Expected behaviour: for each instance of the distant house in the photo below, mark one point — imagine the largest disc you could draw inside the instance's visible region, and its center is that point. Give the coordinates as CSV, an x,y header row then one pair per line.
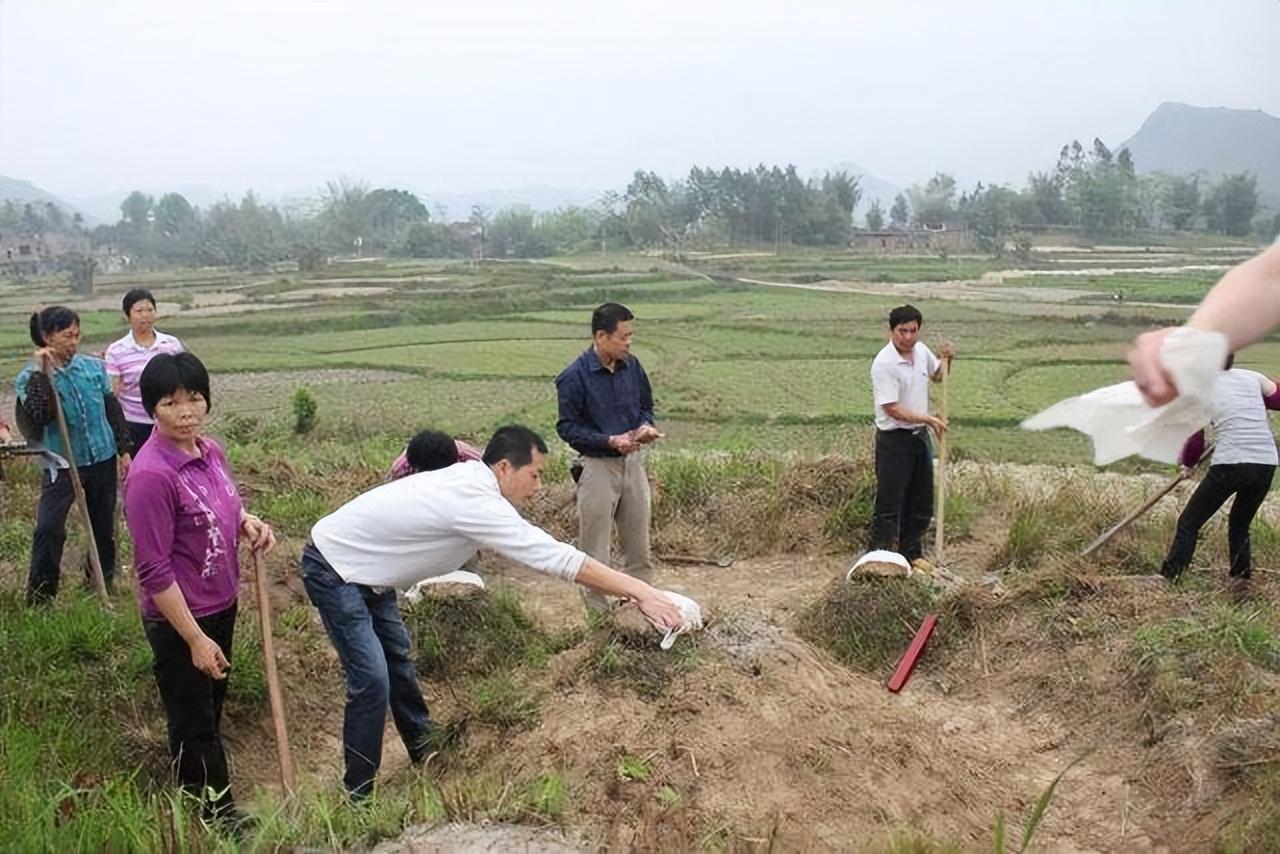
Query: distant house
x,y
35,254
110,259
931,239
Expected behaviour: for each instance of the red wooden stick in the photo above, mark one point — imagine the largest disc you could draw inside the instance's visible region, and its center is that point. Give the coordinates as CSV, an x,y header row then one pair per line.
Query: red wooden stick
x,y
907,663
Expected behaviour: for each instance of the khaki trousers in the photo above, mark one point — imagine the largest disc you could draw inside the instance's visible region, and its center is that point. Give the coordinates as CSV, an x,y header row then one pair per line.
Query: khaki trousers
x,y
614,490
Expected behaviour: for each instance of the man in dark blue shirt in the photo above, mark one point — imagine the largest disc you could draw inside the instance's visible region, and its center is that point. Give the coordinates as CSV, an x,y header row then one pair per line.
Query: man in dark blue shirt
x,y
606,415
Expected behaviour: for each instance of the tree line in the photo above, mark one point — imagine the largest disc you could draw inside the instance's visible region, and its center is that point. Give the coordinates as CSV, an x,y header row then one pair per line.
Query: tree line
x,y
1093,190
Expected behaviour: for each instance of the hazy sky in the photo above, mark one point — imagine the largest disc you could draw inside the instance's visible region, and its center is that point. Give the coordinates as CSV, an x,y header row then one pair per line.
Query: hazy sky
x,y
100,96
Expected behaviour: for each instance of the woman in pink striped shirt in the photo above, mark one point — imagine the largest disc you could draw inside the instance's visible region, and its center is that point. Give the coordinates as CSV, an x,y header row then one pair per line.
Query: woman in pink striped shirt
x,y
127,357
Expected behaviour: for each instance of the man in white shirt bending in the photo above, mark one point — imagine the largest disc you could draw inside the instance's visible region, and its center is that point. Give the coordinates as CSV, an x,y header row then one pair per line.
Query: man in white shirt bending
x,y
421,526
900,375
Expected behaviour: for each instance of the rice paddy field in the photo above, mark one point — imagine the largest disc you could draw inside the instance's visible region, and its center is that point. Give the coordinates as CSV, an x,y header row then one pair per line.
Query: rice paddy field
x,y
747,351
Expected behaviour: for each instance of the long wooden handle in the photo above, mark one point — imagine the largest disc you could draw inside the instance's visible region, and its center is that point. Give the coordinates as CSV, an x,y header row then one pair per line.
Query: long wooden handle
x,y
941,511
1110,533
77,488
273,680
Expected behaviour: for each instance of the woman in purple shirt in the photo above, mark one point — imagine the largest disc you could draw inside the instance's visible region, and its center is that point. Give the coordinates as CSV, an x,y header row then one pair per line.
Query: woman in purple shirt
x,y
186,518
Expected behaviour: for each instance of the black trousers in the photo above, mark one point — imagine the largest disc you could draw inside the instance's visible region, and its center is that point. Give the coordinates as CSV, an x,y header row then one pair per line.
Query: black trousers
x,y
193,706
50,536
1249,483
139,433
904,491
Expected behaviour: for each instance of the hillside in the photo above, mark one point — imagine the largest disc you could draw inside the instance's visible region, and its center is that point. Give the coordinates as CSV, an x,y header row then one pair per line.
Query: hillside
x,y
26,192
1181,139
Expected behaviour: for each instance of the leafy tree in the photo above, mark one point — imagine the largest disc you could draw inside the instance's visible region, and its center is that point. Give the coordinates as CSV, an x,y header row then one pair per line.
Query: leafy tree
x,y
991,213
934,204
174,215
900,213
513,234
343,214
875,216
135,207
1231,204
388,214
1179,200
434,240
1048,206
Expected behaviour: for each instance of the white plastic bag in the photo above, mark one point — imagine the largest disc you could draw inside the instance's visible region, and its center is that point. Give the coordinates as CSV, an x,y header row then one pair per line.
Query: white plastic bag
x,y
879,556
690,617
1120,423
458,576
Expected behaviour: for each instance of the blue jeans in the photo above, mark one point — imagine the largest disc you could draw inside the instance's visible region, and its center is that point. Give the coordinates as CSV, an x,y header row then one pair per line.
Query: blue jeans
x,y
373,645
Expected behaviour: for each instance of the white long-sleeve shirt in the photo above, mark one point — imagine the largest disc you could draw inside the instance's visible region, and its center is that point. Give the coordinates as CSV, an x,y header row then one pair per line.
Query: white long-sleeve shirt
x,y
430,524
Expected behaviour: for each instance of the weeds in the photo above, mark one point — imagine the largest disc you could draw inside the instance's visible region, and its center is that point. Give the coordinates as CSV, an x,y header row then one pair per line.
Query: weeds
x,y
866,623
631,658
632,768
1185,662
507,700
475,633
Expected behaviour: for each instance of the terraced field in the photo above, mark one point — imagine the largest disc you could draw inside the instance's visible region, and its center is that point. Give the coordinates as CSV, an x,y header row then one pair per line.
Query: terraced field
x,y
388,347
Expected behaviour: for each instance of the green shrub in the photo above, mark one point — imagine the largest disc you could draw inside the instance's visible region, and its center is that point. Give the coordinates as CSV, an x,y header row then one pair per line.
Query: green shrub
x,y
304,411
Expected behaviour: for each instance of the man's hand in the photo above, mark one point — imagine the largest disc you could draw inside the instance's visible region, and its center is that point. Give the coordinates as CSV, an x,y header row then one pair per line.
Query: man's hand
x,y
624,444
936,424
1148,371
947,350
258,533
207,657
659,610
646,433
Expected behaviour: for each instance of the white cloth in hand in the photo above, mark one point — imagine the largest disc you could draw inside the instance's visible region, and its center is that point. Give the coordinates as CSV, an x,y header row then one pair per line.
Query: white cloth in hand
x,y
690,617
1120,423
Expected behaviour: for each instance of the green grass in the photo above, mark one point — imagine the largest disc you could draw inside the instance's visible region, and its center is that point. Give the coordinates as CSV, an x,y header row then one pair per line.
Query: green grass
x,y
867,623
1207,657
479,632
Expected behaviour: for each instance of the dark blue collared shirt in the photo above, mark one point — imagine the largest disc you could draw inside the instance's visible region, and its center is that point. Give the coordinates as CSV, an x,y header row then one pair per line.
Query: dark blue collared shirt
x,y
596,403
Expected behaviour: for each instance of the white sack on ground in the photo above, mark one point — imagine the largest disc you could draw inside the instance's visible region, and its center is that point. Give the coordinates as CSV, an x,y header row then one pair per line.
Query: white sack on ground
x,y
690,617
879,562
1120,423
458,576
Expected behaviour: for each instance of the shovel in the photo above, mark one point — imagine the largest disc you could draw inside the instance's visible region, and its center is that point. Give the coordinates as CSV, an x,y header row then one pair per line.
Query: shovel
x,y
47,460
273,679
77,488
1109,534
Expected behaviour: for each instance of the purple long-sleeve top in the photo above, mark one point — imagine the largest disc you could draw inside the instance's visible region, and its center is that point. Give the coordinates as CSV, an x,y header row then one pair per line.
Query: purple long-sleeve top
x,y
184,517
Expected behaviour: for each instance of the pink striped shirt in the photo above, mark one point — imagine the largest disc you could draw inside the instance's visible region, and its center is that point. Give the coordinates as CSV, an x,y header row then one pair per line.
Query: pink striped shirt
x,y
126,359
466,452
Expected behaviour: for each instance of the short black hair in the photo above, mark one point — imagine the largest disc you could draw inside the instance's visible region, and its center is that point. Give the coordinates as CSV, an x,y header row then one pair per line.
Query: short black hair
x,y
905,314
54,318
515,444
429,450
136,295
607,317
166,373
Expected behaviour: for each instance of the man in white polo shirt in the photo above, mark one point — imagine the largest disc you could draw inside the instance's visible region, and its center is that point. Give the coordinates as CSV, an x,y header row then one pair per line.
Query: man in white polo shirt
x,y
414,528
900,375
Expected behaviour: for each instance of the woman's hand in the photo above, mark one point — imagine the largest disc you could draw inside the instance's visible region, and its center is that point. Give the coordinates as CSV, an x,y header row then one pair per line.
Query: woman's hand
x,y
207,657
258,533
659,610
